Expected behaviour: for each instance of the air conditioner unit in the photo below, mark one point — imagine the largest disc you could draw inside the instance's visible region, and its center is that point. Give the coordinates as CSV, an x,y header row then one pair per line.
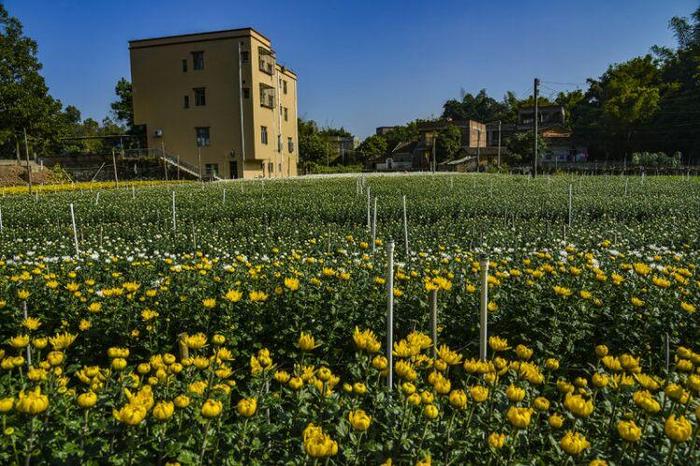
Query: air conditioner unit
x,y
159,133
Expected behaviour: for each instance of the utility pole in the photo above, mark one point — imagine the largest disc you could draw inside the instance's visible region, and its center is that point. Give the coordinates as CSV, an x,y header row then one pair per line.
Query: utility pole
x,y
478,149
499,144
534,121
29,170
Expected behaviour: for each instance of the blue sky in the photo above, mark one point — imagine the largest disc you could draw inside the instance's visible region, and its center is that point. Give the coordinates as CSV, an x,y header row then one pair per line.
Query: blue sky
x,y
361,64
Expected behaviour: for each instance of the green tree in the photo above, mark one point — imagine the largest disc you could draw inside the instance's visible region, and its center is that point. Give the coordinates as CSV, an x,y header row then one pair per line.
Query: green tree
x,y
123,107
479,107
372,146
521,147
448,142
313,146
24,99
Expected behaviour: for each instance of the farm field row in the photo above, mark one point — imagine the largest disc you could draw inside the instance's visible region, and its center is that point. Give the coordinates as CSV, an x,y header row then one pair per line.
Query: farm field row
x,y
244,323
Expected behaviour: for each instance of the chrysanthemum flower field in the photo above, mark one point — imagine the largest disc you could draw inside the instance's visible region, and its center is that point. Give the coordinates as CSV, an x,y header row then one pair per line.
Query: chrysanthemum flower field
x,y
246,323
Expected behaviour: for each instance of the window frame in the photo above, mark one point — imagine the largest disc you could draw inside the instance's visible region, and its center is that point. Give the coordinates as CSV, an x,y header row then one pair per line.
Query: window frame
x,y
206,141
203,96
197,65
264,136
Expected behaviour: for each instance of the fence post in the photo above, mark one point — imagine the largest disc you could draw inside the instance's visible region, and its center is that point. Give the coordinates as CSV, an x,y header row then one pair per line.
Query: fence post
x,y
369,208
483,317
433,320
405,225
1,226
374,225
390,312
571,195
224,198
174,224
75,230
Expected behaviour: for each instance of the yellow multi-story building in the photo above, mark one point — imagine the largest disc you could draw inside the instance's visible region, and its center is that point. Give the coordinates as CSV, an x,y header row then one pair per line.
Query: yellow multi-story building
x,y
217,103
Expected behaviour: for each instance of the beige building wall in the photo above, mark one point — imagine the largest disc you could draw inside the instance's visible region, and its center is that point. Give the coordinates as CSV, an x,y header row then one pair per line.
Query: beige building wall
x,y
161,84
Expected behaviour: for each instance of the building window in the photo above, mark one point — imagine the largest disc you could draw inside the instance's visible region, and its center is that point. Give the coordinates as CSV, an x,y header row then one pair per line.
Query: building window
x,y
279,167
263,134
284,86
200,98
202,136
270,168
197,60
266,61
184,65
290,145
267,96
246,93
279,143
186,102
211,169
286,114
244,56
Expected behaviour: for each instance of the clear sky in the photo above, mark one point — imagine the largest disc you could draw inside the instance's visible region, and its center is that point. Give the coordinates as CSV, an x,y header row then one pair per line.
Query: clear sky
x,y
361,64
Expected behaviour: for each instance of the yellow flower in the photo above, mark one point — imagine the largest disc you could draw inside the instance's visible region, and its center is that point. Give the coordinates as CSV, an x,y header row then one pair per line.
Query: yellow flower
x,y
233,296
6,404
247,407
515,394
556,421
497,441
87,400
598,462
430,411
562,291
458,399
519,417
118,364
32,403
551,364
62,341
479,393
578,405
359,388
196,341
636,302
306,342
678,429
523,352
688,307
257,296
163,410
130,414
292,284
23,294
209,303
498,344
317,444
450,357
182,401
19,341
211,408
94,307
574,443
541,403
359,420
31,323
366,340
295,383
629,431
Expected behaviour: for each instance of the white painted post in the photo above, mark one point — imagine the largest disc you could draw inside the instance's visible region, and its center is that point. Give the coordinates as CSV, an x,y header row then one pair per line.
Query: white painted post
x,y
174,223
390,312
75,230
29,352
1,226
374,225
405,225
483,318
97,198
369,208
570,203
433,320
133,192
223,201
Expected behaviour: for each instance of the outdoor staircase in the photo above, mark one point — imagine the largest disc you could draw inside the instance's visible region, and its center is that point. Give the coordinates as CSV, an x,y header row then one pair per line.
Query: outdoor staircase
x,y
184,166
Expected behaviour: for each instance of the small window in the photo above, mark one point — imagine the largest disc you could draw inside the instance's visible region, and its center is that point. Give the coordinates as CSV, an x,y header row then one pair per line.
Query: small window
x,y
279,143
284,86
279,167
270,168
286,114
246,92
184,65
200,98
211,169
186,102
197,60
290,145
202,134
244,56
263,134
